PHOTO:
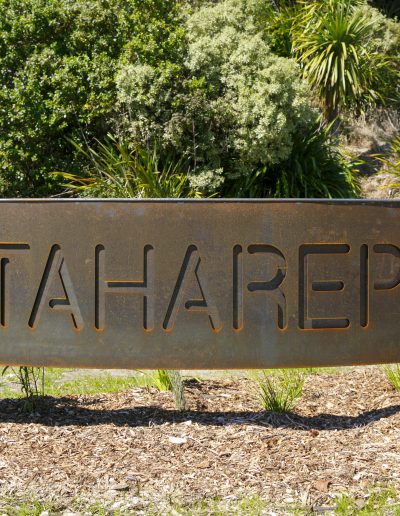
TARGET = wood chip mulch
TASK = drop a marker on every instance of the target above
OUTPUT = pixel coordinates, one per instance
(343, 436)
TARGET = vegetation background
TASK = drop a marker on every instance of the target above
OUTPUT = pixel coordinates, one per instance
(196, 98)
(239, 98)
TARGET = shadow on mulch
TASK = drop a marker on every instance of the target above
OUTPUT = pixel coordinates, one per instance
(68, 411)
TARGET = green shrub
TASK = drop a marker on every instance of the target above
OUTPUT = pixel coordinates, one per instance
(315, 168)
(230, 106)
(278, 391)
(238, 113)
(393, 375)
(58, 61)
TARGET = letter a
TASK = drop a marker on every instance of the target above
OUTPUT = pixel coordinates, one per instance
(189, 267)
(56, 265)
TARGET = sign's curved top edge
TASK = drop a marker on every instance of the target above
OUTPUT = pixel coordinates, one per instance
(394, 202)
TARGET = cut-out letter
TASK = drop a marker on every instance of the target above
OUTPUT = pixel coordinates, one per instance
(9, 249)
(144, 288)
(305, 322)
(392, 282)
(56, 266)
(364, 286)
(273, 285)
(237, 297)
(191, 267)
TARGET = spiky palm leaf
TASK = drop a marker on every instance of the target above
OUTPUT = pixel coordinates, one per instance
(117, 171)
(332, 42)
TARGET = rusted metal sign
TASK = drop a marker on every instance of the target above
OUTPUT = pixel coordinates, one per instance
(199, 284)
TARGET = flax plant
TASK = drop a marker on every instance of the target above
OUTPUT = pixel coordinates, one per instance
(115, 169)
(333, 42)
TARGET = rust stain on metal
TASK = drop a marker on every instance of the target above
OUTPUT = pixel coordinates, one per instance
(199, 284)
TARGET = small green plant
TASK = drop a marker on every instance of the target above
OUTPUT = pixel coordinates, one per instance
(278, 391)
(31, 380)
(117, 170)
(59, 382)
(161, 381)
(392, 373)
(391, 162)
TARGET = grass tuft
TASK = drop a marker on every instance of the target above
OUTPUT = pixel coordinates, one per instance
(380, 500)
(278, 391)
(392, 373)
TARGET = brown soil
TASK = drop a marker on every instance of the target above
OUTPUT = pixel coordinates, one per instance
(382, 185)
(343, 437)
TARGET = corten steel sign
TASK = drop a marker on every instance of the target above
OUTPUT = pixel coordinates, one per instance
(199, 284)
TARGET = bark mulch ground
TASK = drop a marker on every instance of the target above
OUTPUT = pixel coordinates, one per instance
(343, 436)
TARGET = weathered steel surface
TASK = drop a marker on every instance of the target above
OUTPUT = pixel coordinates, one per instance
(199, 284)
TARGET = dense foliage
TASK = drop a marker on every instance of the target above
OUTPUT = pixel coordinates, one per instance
(388, 7)
(224, 96)
(315, 168)
(58, 60)
(237, 106)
